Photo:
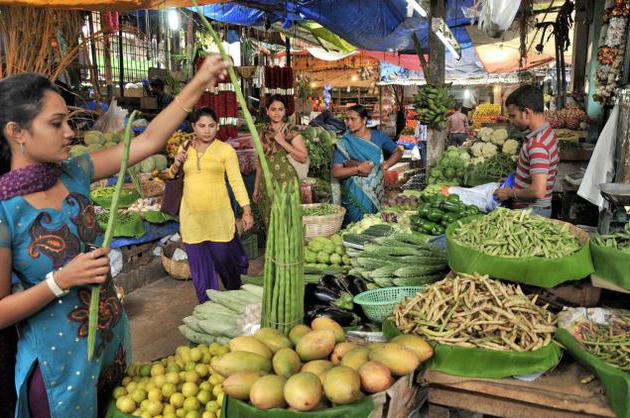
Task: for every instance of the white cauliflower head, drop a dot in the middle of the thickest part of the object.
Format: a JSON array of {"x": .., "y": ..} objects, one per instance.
[
  {"x": 477, "y": 160},
  {"x": 475, "y": 150},
  {"x": 485, "y": 134},
  {"x": 488, "y": 150},
  {"x": 499, "y": 136},
  {"x": 510, "y": 146}
]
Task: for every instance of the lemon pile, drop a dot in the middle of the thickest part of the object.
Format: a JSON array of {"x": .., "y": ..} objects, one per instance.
[{"x": 179, "y": 386}]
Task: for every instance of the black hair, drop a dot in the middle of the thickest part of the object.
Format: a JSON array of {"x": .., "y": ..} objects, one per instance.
[
  {"x": 527, "y": 97},
  {"x": 196, "y": 114},
  {"x": 157, "y": 82},
  {"x": 275, "y": 98},
  {"x": 362, "y": 111},
  {"x": 21, "y": 100}
]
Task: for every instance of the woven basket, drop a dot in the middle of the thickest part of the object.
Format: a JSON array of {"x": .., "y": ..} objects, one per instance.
[
  {"x": 326, "y": 225},
  {"x": 179, "y": 270}
]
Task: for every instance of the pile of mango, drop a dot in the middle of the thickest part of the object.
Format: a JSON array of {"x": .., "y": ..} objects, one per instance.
[{"x": 313, "y": 368}]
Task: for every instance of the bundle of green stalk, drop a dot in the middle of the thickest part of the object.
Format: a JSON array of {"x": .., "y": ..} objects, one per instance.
[
  {"x": 283, "y": 298},
  {"x": 109, "y": 234},
  {"x": 619, "y": 240},
  {"x": 399, "y": 260},
  {"x": 498, "y": 166},
  {"x": 609, "y": 342},
  {"x": 515, "y": 233},
  {"x": 476, "y": 311}
]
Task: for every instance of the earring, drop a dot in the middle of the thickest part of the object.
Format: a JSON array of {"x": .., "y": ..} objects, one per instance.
[{"x": 22, "y": 147}]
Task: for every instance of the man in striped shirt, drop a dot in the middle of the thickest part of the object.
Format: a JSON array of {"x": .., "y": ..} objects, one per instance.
[{"x": 538, "y": 160}]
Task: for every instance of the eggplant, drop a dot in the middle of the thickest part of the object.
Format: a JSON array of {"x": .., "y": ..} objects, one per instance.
[
  {"x": 357, "y": 285},
  {"x": 343, "y": 283},
  {"x": 311, "y": 312},
  {"x": 329, "y": 282},
  {"x": 343, "y": 318},
  {"x": 325, "y": 296}
]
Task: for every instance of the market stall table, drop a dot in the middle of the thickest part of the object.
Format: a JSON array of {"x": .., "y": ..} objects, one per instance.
[{"x": 557, "y": 394}]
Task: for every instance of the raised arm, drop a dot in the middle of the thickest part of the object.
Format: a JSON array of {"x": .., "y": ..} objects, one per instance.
[{"x": 153, "y": 139}]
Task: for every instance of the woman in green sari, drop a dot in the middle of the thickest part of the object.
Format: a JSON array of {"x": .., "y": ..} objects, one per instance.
[{"x": 284, "y": 148}]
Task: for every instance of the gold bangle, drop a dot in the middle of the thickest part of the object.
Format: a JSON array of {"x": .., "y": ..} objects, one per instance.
[{"x": 181, "y": 106}]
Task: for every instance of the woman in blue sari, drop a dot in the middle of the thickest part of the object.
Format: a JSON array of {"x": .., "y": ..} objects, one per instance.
[{"x": 359, "y": 163}]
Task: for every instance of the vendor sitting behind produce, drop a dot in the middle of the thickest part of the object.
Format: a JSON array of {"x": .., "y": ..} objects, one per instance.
[
  {"x": 359, "y": 162},
  {"x": 163, "y": 98},
  {"x": 538, "y": 160}
]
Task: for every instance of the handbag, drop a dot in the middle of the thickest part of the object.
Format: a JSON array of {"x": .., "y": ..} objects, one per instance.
[
  {"x": 301, "y": 169},
  {"x": 174, "y": 190}
]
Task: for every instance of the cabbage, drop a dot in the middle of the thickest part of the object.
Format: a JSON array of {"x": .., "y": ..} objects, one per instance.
[
  {"x": 93, "y": 137},
  {"x": 147, "y": 165},
  {"x": 160, "y": 162}
]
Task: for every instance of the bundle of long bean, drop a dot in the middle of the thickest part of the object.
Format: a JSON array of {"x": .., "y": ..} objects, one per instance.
[
  {"x": 609, "y": 342},
  {"x": 283, "y": 283},
  {"x": 513, "y": 233},
  {"x": 475, "y": 311},
  {"x": 109, "y": 234},
  {"x": 283, "y": 300}
]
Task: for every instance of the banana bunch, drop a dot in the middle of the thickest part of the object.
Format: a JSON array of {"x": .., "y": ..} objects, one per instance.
[
  {"x": 432, "y": 103},
  {"x": 177, "y": 139}
]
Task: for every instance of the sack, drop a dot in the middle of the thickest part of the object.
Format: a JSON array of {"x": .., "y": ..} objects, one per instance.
[
  {"x": 301, "y": 169},
  {"x": 174, "y": 190}
]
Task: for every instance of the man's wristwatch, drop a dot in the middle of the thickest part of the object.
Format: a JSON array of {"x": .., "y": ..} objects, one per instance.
[{"x": 54, "y": 287}]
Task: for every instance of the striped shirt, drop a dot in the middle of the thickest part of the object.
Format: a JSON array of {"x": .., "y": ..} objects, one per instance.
[{"x": 539, "y": 155}]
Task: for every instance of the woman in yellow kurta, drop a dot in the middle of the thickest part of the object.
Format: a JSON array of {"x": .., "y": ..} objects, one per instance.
[{"x": 207, "y": 222}]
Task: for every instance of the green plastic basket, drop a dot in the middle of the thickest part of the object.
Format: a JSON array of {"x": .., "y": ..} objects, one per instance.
[{"x": 378, "y": 304}]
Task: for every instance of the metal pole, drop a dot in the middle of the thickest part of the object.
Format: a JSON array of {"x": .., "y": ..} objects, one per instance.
[
  {"x": 121, "y": 62},
  {"x": 287, "y": 44}
]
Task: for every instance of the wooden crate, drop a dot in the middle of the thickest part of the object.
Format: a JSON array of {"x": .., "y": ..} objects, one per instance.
[
  {"x": 399, "y": 400},
  {"x": 137, "y": 255}
]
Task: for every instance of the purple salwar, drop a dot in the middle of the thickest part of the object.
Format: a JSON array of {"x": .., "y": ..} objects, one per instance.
[
  {"x": 37, "y": 398},
  {"x": 208, "y": 260}
]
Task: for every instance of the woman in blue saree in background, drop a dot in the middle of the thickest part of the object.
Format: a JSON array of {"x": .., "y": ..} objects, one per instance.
[{"x": 359, "y": 163}]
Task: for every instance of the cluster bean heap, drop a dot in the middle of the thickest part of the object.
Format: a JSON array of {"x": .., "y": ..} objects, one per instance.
[
  {"x": 513, "y": 233},
  {"x": 475, "y": 311},
  {"x": 609, "y": 342}
]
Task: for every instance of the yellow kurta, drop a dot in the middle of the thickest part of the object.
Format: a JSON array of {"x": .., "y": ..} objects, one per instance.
[{"x": 205, "y": 213}]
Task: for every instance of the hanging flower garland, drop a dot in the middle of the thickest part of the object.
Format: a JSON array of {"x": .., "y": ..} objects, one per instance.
[{"x": 611, "y": 49}]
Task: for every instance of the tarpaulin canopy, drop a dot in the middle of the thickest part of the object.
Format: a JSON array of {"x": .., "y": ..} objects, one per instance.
[
  {"x": 105, "y": 5},
  {"x": 380, "y": 25}
]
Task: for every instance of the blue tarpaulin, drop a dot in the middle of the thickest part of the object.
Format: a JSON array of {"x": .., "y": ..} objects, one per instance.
[{"x": 376, "y": 25}]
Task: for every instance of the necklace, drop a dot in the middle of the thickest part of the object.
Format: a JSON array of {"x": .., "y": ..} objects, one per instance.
[{"x": 200, "y": 155}]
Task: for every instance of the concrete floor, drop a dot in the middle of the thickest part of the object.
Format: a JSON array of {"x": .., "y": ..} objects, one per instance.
[{"x": 156, "y": 310}]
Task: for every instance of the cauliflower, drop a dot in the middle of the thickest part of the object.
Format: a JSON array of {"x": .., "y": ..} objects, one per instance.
[
  {"x": 476, "y": 149},
  {"x": 485, "y": 134},
  {"x": 488, "y": 150},
  {"x": 477, "y": 160},
  {"x": 499, "y": 136},
  {"x": 510, "y": 146}
]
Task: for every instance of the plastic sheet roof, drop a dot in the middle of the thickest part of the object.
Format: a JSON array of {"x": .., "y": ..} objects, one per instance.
[{"x": 106, "y": 5}]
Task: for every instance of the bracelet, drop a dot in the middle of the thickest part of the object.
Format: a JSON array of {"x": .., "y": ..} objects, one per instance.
[
  {"x": 54, "y": 287},
  {"x": 181, "y": 106}
]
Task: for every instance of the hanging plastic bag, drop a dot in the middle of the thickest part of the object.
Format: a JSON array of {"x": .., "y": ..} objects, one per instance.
[
  {"x": 113, "y": 120},
  {"x": 497, "y": 16},
  {"x": 481, "y": 196}
]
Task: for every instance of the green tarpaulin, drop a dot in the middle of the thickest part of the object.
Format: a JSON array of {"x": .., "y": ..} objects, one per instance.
[
  {"x": 616, "y": 382},
  {"x": 482, "y": 363},
  {"x": 536, "y": 271}
]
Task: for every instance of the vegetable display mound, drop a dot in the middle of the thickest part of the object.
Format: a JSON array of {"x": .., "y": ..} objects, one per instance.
[
  {"x": 475, "y": 311},
  {"x": 514, "y": 233},
  {"x": 609, "y": 342},
  {"x": 619, "y": 241},
  {"x": 320, "y": 210}
]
